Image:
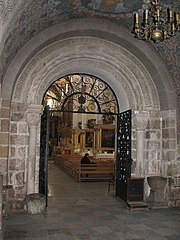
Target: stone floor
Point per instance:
(86, 211)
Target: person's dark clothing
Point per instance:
(85, 160)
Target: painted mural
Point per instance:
(115, 7)
(111, 6)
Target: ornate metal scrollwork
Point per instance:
(82, 93)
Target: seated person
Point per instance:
(86, 160)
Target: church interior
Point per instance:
(89, 77)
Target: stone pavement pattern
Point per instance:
(86, 211)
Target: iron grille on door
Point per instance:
(44, 150)
(123, 162)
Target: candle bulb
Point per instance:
(146, 16)
(158, 13)
(170, 15)
(136, 18)
(66, 88)
(177, 18)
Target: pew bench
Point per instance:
(68, 163)
(101, 171)
(95, 172)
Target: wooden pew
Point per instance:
(68, 163)
(96, 172)
(101, 171)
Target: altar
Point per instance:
(98, 141)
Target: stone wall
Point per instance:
(171, 153)
(17, 155)
(14, 145)
(153, 139)
(173, 191)
(160, 152)
(4, 136)
(169, 143)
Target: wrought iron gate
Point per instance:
(123, 161)
(44, 151)
(90, 95)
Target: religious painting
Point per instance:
(89, 139)
(108, 138)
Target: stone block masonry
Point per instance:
(173, 191)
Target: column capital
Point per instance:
(33, 114)
(140, 119)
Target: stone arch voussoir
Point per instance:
(95, 56)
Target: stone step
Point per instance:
(137, 205)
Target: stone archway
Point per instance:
(128, 77)
(140, 54)
(136, 81)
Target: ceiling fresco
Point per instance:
(112, 6)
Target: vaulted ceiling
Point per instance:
(22, 20)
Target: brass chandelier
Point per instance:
(154, 27)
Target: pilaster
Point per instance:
(4, 136)
(140, 123)
(32, 118)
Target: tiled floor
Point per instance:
(86, 211)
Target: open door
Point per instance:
(44, 151)
(123, 162)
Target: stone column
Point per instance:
(33, 118)
(140, 120)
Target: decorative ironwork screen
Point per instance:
(123, 162)
(82, 93)
(44, 151)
